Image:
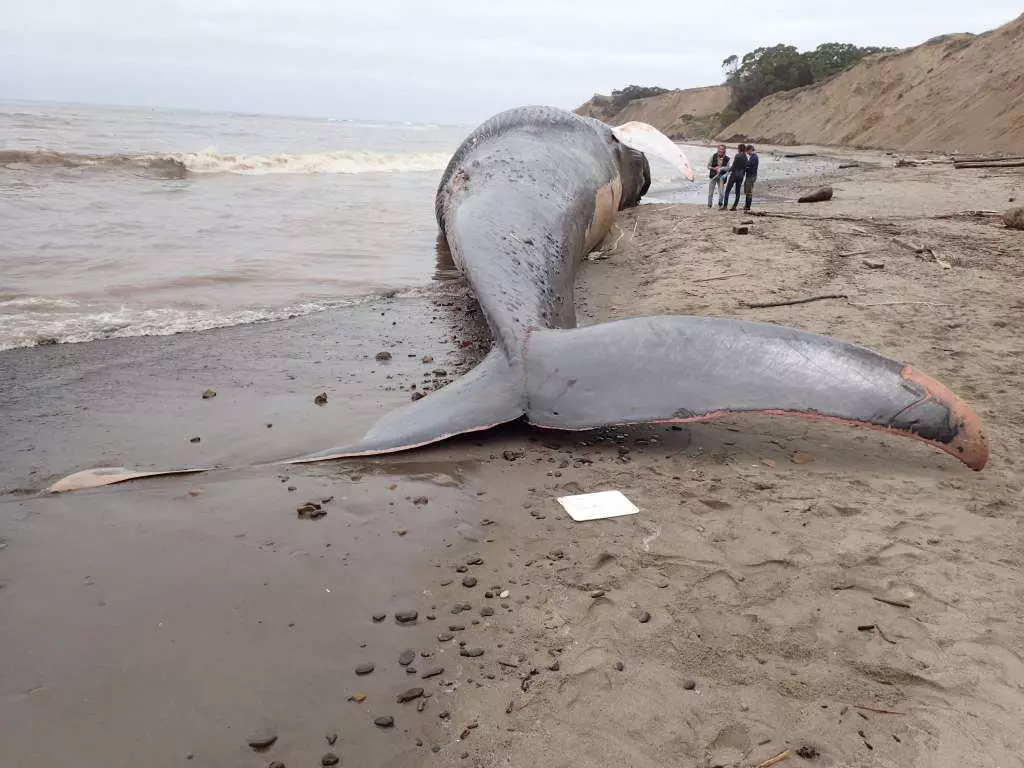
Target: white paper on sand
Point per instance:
(597, 506)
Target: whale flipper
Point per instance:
(687, 369)
(489, 395)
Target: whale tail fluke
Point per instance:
(688, 369)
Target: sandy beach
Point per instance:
(832, 596)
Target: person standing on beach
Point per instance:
(749, 177)
(717, 166)
(739, 167)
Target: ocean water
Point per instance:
(122, 221)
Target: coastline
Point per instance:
(150, 624)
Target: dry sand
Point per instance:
(144, 625)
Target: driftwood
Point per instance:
(967, 214)
(720, 277)
(817, 196)
(990, 164)
(848, 165)
(927, 250)
(790, 302)
(801, 154)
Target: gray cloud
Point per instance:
(442, 61)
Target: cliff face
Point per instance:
(955, 93)
(689, 113)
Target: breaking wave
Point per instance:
(210, 161)
(33, 321)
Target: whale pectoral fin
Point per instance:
(685, 369)
(489, 395)
(94, 478)
(649, 140)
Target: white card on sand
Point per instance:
(597, 506)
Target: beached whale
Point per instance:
(525, 197)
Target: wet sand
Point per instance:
(142, 624)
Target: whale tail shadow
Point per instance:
(663, 369)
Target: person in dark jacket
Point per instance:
(739, 167)
(718, 166)
(749, 176)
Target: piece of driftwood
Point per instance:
(790, 302)
(801, 154)
(967, 214)
(821, 195)
(782, 756)
(862, 252)
(991, 164)
(848, 165)
(720, 277)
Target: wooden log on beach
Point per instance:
(818, 196)
(989, 164)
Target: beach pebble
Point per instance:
(207, 394)
(406, 658)
(427, 359)
(642, 616)
(689, 685)
(416, 396)
(384, 721)
(486, 611)
(277, 764)
(445, 637)
(406, 616)
(469, 581)
(382, 356)
(330, 759)
(597, 593)
(619, 666)
(504, 594)
(432, 672)
(409, 695)
(872, 264)
(472, 652)
(194, 439)
(364, 668)
(264, 738)
(512, 455)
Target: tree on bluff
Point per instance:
(765, 71)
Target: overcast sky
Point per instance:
(429, 60)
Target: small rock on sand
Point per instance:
(406, 616)
(689, 685)
(471, 653)
(1014, 218)
(207, 394)
(445, 637)
(365, 668)
(740, 230)
(432, 672)
(382, 356)
(409, 695)
(330, 759)
(264, 738)
(384, 721)
(469, 581)
(277, 764)
(872, 264)
(406, 658)
(194, 439)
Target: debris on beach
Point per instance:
(821, 195)
(321, 399)
(1014, 218)
(209, 393)
(597, 506)
(383, 356)
(310, 510)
